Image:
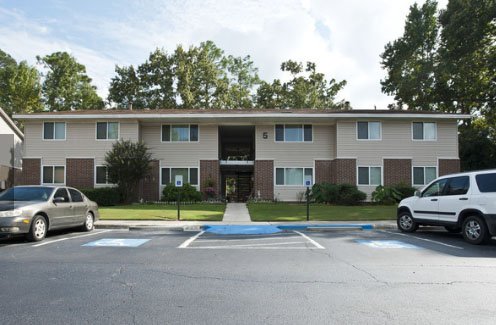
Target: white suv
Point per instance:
(463, 202)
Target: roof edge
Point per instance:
(11, 123)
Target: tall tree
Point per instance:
(125, 88)
(20, 89)
(66, 85)
(410, 60)
(242, 77)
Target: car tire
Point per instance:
(89, 222)
(406, 223)
(38, 229)
(475, 231)
(453, 229)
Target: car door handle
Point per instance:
(433, 199)
(463, 199)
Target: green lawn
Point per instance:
(194, 212)
(319, 212)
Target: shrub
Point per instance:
(188, 193)
(404, 190)
(104, 196)
(386, 195)
(343, 194)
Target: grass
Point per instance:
(193, 212)
(319, 212)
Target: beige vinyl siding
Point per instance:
(9, 140)
(178, 154)
(299, 153)
(288, 193)
(80, 142)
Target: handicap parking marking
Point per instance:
(386, 244)
(72, 237)
(116, 242)
(423, 239)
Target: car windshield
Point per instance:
(26, 194)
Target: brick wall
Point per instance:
(80, 172)
(210, 170)
(264, 179)
(343, 171)
(31, 172)
(449, 166)
(397, 171)
(149, 186)
(323, 171)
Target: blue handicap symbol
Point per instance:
(386, 244)
(116, 242)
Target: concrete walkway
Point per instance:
(236, 212)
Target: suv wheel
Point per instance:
(406, 223)
(475, 231)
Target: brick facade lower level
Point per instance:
(210, 171)
(323, 171)
(149, 189)
(397, 171)
(80, 172)
(264, 179)
(31, 171)
(449, 166)
(343, 171)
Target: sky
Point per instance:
(344, 38)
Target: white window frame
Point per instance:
(423, 133)
(54, 122)
(175, 167)
(106, 177)
(368, 131)
(284, 133)
(107, 138)
(299, 167)
(358, 175)
(424, 167)
(53, 173)
(170, 134)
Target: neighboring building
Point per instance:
(10, 151)
(265, 154)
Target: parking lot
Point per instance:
(290, 276)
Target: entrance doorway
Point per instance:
(237, 186)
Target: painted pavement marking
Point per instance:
(386, 244)
(74, 237)
(190, 240)
(424, 239)
(117, 242)
(310, 240)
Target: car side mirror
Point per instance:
(58, 199)
(418, 193)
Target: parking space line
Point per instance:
(263, 244)
(247, 247)
(244, 239)
(66, 238)
(309, 239)
(190, 240)
(424, 239)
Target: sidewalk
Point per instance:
(236, 213)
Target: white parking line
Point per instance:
(244, 239)
(66, 238)
(309, 239)
(424, 239)
(254, 245)
(190, 240)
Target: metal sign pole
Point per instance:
(308, 203)
(179, 185)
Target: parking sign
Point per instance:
(179, 180)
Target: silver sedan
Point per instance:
(34, 210)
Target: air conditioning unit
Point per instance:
(2, 185)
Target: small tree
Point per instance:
(127, 163)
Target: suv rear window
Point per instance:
(486, 182)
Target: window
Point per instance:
(424, 131)
(293, 133)
(293, 176)
(369, 175)
(180, 133)
(53, 175)
(76, 195)
(102, 175)
(190, 175)
(107, 130)
(369, 130)
(54, 131)
(486, 182)
(424, 175)
(62, 192)
(435, 189)
(457, 186)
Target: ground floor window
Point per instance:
(293, 176)
(190, 175)
(424, 175)
(369, 176)
(53, 174)
(102, 175)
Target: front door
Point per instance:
(427, 206)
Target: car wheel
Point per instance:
(453, 229)
(406, 223)
(475, 230)
(38, 230)
(89, 222)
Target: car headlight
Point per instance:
(11, 213)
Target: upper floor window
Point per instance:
(293, 133)
(293, 176)
(424, 131)
(54, 131)
(424, 175)
(180, 133)
(368, 130)
(369, 175)
(107, 130)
